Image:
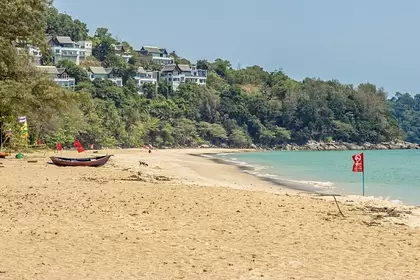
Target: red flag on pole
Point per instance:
(358, 163)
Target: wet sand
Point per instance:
(187, 217)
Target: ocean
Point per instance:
(391, 174)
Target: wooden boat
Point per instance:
(93, 161)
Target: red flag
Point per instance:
(359, 163)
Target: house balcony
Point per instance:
(162, 60)
(117, 81)
(196, 80)
(177, 79)
(141, 80)
(68, 83)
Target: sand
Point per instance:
(187, 217)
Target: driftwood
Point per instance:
(336, 203)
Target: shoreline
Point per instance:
(292, 188)
(252, 170)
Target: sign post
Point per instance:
(359, 166)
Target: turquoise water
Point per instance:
(393, 175)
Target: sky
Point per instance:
(353, 41)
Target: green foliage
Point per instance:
(239, 138)
(59, 24)
(179, 60)
(203, 64)
(406, 110)
(22, 20)
(103, 44)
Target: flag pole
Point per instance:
(363, 182)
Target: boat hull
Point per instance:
(92, 162)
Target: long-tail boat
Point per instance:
(93, 161)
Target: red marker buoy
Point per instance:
(150, 151)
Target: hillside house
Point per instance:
(104, 73)
(58, 75)
(175, 75)
(63, 48)
(143, 76)
(121, 51)
(157, 55)
(146, 77)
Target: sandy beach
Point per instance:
(182, 216)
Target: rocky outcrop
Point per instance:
(338, 146)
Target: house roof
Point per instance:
(99, 70)
(119, 47)
(61, 70)
(169, 67)
(184, 67)
(64, 40)
(141, 70)
(52, 70)
(163, 51)
(151, 49)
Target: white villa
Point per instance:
(59, 75)
(142, 76)
(175, 75)
(157, 55)
(64, 48)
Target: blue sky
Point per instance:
(352, 41)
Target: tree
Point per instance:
(149, 90)
(239, 138)
(103, 49)
(103, 44)
(58, 24)
(22, 20)
(203, 64)
(221, 67)
(179, 60)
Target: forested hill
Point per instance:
(237, 107)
